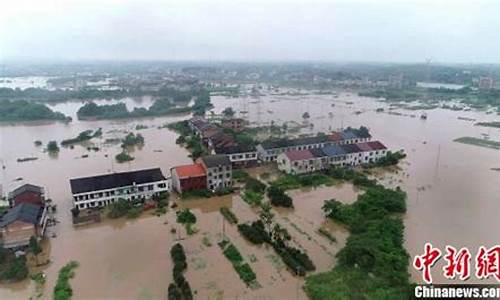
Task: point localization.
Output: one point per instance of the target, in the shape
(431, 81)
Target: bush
(254, 232)
(254, 185)
(252, 198)
(14, 270)
(229, 215)
(63, 290)
(52, 147)
(240, 175)
(185, 216)
(119, 208)
(278, 197)
(233, 254)
(245, 272)
(123, 157)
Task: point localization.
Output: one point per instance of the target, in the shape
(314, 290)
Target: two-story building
(188, 177)
(27, 193)
(102, 190)
(22, 222)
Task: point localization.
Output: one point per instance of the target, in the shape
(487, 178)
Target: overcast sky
(356, 30)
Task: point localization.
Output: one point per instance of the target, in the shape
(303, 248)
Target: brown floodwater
(453, 198)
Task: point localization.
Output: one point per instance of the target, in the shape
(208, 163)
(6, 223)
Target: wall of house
(17, 233)
(27, 197)
(219, 177)
(193, 183)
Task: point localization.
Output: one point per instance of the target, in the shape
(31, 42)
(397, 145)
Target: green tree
(228, 112)
(52, 147)
(35, 247)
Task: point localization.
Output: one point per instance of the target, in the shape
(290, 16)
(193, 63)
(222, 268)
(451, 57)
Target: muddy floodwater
(453, 197)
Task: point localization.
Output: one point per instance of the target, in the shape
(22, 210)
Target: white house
(102, 190)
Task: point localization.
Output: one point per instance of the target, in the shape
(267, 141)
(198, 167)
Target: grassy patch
(478, 142)
(63, 290)
(242, 268)
(228, 215)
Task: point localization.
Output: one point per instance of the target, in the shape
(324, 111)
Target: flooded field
(453, 198)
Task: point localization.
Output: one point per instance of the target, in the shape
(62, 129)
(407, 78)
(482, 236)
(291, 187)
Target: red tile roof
(364, 146)
(299, 154)
(186, 171)
(376, 145)
(335, 136)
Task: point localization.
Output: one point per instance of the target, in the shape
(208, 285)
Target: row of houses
(212, 172)
(220, 143)
(317, 159)
(269, 151)
(26, 216)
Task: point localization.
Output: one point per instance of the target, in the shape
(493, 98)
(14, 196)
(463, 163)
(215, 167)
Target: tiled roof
(351, 148)
(318, 152)
(26, 212)
(234, 149)
(364, 146)
(114, 180)
(348, 135)
(333, 150)
(335, 136)
(376, 145)
(216, 160)
(25, 188)
(193, 170)
(299, 155)
(282, 143)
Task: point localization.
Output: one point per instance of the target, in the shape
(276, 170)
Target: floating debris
(26, 159)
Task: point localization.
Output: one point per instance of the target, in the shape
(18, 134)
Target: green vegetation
(180, 288)
(374, 263)
(254, 191)
(240, 175)
(188, 219)
(289, 181)
(327, 234)
(233, 255)
(34, 247)
(479, 142)
(278, 197)
(188, 139)
(123, 157)
(390, 159)
(52, 147)
(202, 103)
(252, 198)
(495, 124)
(16, 111)
(228, 112)
(132, 140)
(63, 290)
(12, 268)
(83, 136)
(160, 107)
(185, 216)
(430, 96)
(228, 215)
(122, 207)
(266, 230)
(161, 201)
